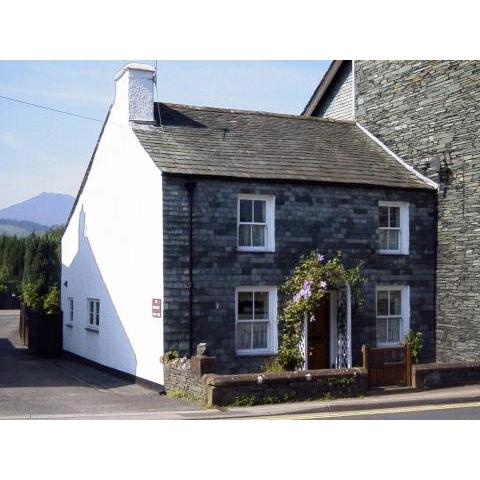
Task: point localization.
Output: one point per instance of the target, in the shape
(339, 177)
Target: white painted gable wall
(112, 250)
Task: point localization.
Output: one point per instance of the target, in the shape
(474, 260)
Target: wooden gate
(388, 366)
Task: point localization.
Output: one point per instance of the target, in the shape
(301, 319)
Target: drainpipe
(190, 187)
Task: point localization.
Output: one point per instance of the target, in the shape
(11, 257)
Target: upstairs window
(393, 228)
(93, 313)
(256, 223)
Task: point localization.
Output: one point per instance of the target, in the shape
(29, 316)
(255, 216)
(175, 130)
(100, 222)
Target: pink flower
(323, 285)
(321, 258)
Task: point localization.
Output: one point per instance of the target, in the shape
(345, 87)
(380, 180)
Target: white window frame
(272, 335)
(70, 312)
(269, 222)
(404, 240)
(404, 312)
(96, 314)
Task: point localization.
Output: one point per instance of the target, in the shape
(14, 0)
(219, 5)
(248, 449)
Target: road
(462, 411)
(35, 388)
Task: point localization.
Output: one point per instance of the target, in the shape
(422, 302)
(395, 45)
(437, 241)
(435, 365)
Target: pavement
(35, 388)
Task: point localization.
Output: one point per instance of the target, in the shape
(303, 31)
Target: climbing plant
(304, 290)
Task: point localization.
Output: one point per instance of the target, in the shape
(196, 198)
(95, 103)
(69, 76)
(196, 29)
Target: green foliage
(305, 289)
(12, 250)
(415, 339)
(31, 296)
(51, 301)
(272, 365)
(169, 356)
(41, 273)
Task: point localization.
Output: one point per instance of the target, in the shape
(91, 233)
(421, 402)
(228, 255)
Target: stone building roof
(257, 145)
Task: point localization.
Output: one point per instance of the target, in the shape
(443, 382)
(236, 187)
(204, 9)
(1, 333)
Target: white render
(112, 249)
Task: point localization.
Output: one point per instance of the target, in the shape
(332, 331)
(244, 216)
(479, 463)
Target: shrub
(272, 365)
(415, 339)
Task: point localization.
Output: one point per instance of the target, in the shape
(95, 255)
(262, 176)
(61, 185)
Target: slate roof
(257, 145)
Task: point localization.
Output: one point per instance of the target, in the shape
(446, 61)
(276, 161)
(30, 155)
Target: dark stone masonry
(307, 216)
(428, 113)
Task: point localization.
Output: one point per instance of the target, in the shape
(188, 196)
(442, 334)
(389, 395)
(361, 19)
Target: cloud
(9, 138)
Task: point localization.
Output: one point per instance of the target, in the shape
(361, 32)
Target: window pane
(244, 335)
(259, 208)
(260, 335)
(261, 305)
(395, 302)
(382, 302)
(394, 329)
(381, 330)
(395, 217)
(246, 210)
(258, 237)
(245, 305)
(393, 239)
(383, 216)
(244, 235)
(383, 237)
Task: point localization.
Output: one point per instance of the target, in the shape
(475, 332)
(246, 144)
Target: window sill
(254, 250)
(389, 345)
(91, 329)
(263, 353)
(391, 252)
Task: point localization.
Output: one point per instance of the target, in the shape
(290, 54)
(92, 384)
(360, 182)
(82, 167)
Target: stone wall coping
(432, 367)
(272, 378)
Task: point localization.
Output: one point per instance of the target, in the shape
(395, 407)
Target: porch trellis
(344, 327)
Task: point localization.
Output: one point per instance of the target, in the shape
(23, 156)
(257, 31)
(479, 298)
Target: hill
(47, 209)
(20, 228)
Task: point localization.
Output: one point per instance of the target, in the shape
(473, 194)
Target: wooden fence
(388, 366)
(41, 332)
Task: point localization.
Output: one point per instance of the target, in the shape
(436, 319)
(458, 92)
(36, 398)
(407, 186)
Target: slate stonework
(428, 111)
(307, 216)
(337, 102)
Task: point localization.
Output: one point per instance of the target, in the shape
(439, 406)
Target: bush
(415, 339)
(272, 365)
(31, 296)
(51, 301)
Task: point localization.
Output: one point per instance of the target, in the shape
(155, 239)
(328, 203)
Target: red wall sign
(157, 307)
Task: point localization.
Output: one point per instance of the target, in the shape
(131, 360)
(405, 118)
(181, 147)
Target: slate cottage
(189, 218)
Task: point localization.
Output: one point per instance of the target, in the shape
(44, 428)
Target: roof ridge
(255, 112)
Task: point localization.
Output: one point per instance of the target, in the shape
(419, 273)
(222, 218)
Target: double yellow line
(380, 411)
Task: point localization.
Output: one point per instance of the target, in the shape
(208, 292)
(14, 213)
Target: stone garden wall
(189, 378)
(441, 375)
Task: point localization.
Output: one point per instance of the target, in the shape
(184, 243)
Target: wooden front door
(319, 337)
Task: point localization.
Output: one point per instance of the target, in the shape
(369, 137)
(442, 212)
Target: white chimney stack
(134, 92)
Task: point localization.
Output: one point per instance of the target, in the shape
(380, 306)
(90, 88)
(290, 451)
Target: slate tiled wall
(428, 112)
(338, 99)
(326, 217)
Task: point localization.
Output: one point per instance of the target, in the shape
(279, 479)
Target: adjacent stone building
(428, 113)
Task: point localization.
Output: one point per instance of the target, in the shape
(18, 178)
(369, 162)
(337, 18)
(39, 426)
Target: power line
(51, 109)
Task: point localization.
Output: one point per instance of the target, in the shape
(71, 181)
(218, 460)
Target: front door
(319, 337)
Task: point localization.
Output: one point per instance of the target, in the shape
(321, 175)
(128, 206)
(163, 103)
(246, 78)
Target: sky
(43, 151)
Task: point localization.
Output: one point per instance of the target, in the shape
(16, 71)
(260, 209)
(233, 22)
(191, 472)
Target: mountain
(45, 209)
(20, 228)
